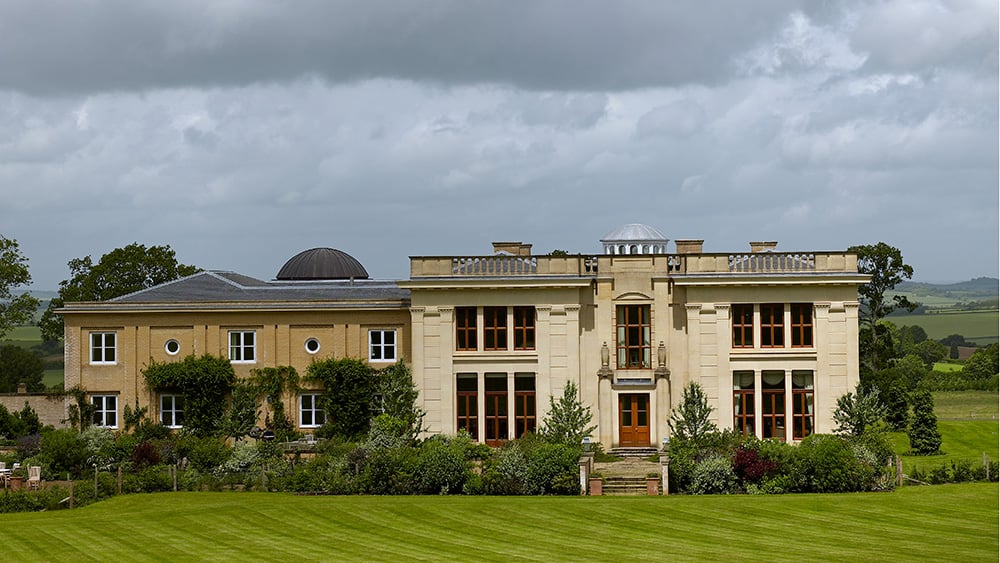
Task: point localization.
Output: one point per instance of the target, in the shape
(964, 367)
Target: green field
(969, 428)
(981, 327)
(29, 337)
(943, 523)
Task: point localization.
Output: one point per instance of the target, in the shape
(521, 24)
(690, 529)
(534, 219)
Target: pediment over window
(632, 296)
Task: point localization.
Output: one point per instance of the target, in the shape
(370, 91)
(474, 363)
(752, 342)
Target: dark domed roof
(322, 264)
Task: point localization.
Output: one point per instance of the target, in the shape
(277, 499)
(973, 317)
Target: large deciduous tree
(119, 272)
(14, 309)
(18, 365)
(884, 263)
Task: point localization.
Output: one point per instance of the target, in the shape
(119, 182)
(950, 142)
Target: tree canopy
(119, 272)
(14, 309)
(18, 365)
(884, 263)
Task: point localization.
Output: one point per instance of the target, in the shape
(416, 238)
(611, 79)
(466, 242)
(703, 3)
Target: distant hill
(990, 286)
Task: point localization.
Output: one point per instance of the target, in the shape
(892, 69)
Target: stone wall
(51, 409)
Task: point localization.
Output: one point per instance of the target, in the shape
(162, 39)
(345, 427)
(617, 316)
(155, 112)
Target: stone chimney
(763, 246)
(516, 248)
(689, 246)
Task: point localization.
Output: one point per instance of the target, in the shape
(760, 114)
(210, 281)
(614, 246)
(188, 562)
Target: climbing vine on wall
(349, 386)
(204, 383)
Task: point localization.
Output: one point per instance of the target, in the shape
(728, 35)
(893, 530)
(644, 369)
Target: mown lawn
(944, 523)
(969, 427)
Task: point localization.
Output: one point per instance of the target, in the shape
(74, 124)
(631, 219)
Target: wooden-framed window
(803, 417)
(495, 328)
(381, 345)
(772, 410)
(102, 348)
(744, 410)
(172, 411)
(802, 325)
(524, 328)
(105, 410)
(524, 404)
(772, 325)
(742, 326)
(466, 337)
(633, 337)
(242, 346)
(496, 408)
(311, 415)
(467, 391)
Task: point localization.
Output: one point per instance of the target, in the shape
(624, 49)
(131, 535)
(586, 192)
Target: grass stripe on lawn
(948, 522)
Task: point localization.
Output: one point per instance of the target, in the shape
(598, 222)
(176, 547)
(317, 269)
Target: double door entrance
(633, 420)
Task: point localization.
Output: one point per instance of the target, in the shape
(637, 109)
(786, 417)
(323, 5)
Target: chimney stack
(689, 246)
(763, 246)
(516, 248)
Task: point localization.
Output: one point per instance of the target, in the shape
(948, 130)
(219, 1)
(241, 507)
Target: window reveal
(524, 328)
(743, 403)
(802, 325)
(742, 326)
(496, 408)
(772, 326)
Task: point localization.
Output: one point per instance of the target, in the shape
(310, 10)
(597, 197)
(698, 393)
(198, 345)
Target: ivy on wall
(349, 388)
(204, 383)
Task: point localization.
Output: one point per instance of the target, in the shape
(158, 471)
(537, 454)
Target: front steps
(624, 486)
(633, 452)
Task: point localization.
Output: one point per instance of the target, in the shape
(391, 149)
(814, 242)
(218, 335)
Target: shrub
(64, 451)
(713, 475)
(507, 472)
(547, 463)
(149, 480)
(961, 471)
(144, 455)
(750, 466)
(826, 464)
(924, 436)
(691, 419)
(568, 421)
(204, 454)
(389, 471)
(442, 466)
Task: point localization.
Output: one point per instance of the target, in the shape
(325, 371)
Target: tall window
(467, 407)
(743, 403)
(802, 325)
(772, 326)
(773, 407)
(496, 408)
(524, 404)
(102, 348)
(242, 346)
(524, 328)
(381, 345)
(105, 410)
(633, 336)
(802, 404)
(495, 328)
(743, 326)
(310, 413)
(172, 411)
(465, 328)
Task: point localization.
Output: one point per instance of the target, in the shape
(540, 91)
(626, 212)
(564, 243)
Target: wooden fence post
(119, 479)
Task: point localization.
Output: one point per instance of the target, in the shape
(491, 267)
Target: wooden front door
(633, 420)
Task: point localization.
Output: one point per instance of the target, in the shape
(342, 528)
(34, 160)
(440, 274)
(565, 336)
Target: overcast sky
(243, 132)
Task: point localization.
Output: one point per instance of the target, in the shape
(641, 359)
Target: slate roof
(222, 286)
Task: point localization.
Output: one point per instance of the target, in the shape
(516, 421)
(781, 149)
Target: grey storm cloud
(50, 47)
(242, 132)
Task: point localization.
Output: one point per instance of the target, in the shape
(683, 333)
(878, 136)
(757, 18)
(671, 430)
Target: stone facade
(771, 336)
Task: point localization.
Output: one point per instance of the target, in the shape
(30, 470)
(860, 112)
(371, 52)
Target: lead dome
(322, 264)
(635, 238)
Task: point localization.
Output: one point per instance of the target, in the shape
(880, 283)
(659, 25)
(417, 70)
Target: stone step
(633, 452)
(624, 486)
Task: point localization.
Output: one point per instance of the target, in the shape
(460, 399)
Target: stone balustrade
(503, 265)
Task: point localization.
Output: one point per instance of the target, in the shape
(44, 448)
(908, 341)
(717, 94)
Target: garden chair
(4, 473)
(34, 476)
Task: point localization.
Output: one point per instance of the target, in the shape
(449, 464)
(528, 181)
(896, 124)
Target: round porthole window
(172, 347)
(312, 345)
